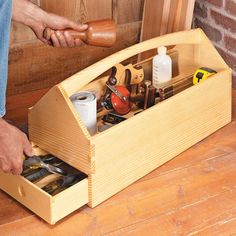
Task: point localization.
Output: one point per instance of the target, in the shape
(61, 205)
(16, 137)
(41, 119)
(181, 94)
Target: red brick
(212, 33)
(200, 10)
(224, 21)
(234, 81)
(217, 3)
(229, 59)
(230, 43)
(231, 7)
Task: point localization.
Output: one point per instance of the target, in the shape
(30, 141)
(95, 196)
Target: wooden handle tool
(101, 33)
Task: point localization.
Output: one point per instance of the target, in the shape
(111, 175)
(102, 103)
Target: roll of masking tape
(85, 104)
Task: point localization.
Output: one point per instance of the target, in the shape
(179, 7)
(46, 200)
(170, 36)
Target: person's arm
(13, 143)
(33, 16)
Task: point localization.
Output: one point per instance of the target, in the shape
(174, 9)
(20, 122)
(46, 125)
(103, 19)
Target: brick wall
(218, 20)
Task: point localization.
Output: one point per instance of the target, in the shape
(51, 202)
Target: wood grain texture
(26, 193)
(156, 144)
(58, 130)
(51, 209)
(18, 105)
(161, 17)
(154, 23)
(21, 33)
(169, 137)
(127, 11)
(79, 10)
(69, 9)
(179, 197)
(38, 66)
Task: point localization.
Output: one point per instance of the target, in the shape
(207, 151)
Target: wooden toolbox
(117, 157)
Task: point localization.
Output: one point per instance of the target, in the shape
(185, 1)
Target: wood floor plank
(11, 210)
(182, 222)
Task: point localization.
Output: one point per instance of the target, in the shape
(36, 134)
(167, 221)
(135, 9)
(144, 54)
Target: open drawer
(50, 208)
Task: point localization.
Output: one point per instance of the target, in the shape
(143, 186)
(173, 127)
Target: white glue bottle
(161, 68)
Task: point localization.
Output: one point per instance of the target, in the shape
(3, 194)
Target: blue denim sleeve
(5, 20)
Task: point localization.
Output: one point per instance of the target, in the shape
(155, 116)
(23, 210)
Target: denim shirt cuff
(2, 112)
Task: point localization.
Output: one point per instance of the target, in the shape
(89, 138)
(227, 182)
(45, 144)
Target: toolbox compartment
(50, 208)
(126, 152)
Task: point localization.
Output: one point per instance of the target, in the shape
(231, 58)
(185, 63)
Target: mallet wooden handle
(100, 33)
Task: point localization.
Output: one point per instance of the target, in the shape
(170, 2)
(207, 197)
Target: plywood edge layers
(55, 127)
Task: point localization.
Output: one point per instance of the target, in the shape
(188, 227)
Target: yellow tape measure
(202, 74)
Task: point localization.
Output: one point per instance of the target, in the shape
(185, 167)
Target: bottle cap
(162, 50)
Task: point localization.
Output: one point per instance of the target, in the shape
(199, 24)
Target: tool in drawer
(64, 182)
(36, 162)
(35, 175)
(28, 169)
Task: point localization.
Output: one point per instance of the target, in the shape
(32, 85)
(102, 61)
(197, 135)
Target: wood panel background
(34, 67)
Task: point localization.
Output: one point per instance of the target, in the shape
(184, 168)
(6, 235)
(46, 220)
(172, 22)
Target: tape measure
(202, 74)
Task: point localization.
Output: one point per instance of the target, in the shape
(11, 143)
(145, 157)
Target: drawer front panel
(51, 209)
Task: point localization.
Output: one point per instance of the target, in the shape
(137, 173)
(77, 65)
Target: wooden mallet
(101, 33)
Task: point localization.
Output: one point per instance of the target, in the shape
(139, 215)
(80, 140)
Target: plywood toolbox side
(54, 127)
(126, 152)
(138, 146)
(54, 124)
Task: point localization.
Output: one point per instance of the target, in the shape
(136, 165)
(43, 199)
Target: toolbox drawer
(50, 208)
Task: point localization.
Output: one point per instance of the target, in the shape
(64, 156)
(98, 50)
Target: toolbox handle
(74, 83)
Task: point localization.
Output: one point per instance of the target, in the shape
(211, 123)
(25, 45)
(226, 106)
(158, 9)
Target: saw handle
(101, 33)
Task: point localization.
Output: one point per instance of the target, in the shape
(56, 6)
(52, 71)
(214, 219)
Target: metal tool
(145, 95)
(35, 162)
(116, 97)
(113, 118)
(47, 158)
(35, 175)
(116, 92)
(64, 182)
(147, 83)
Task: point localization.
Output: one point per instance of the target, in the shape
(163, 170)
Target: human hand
(31, 15)
(59, 37)
(13, 144)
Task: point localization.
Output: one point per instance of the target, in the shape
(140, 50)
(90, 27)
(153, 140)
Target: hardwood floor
(194, 194)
